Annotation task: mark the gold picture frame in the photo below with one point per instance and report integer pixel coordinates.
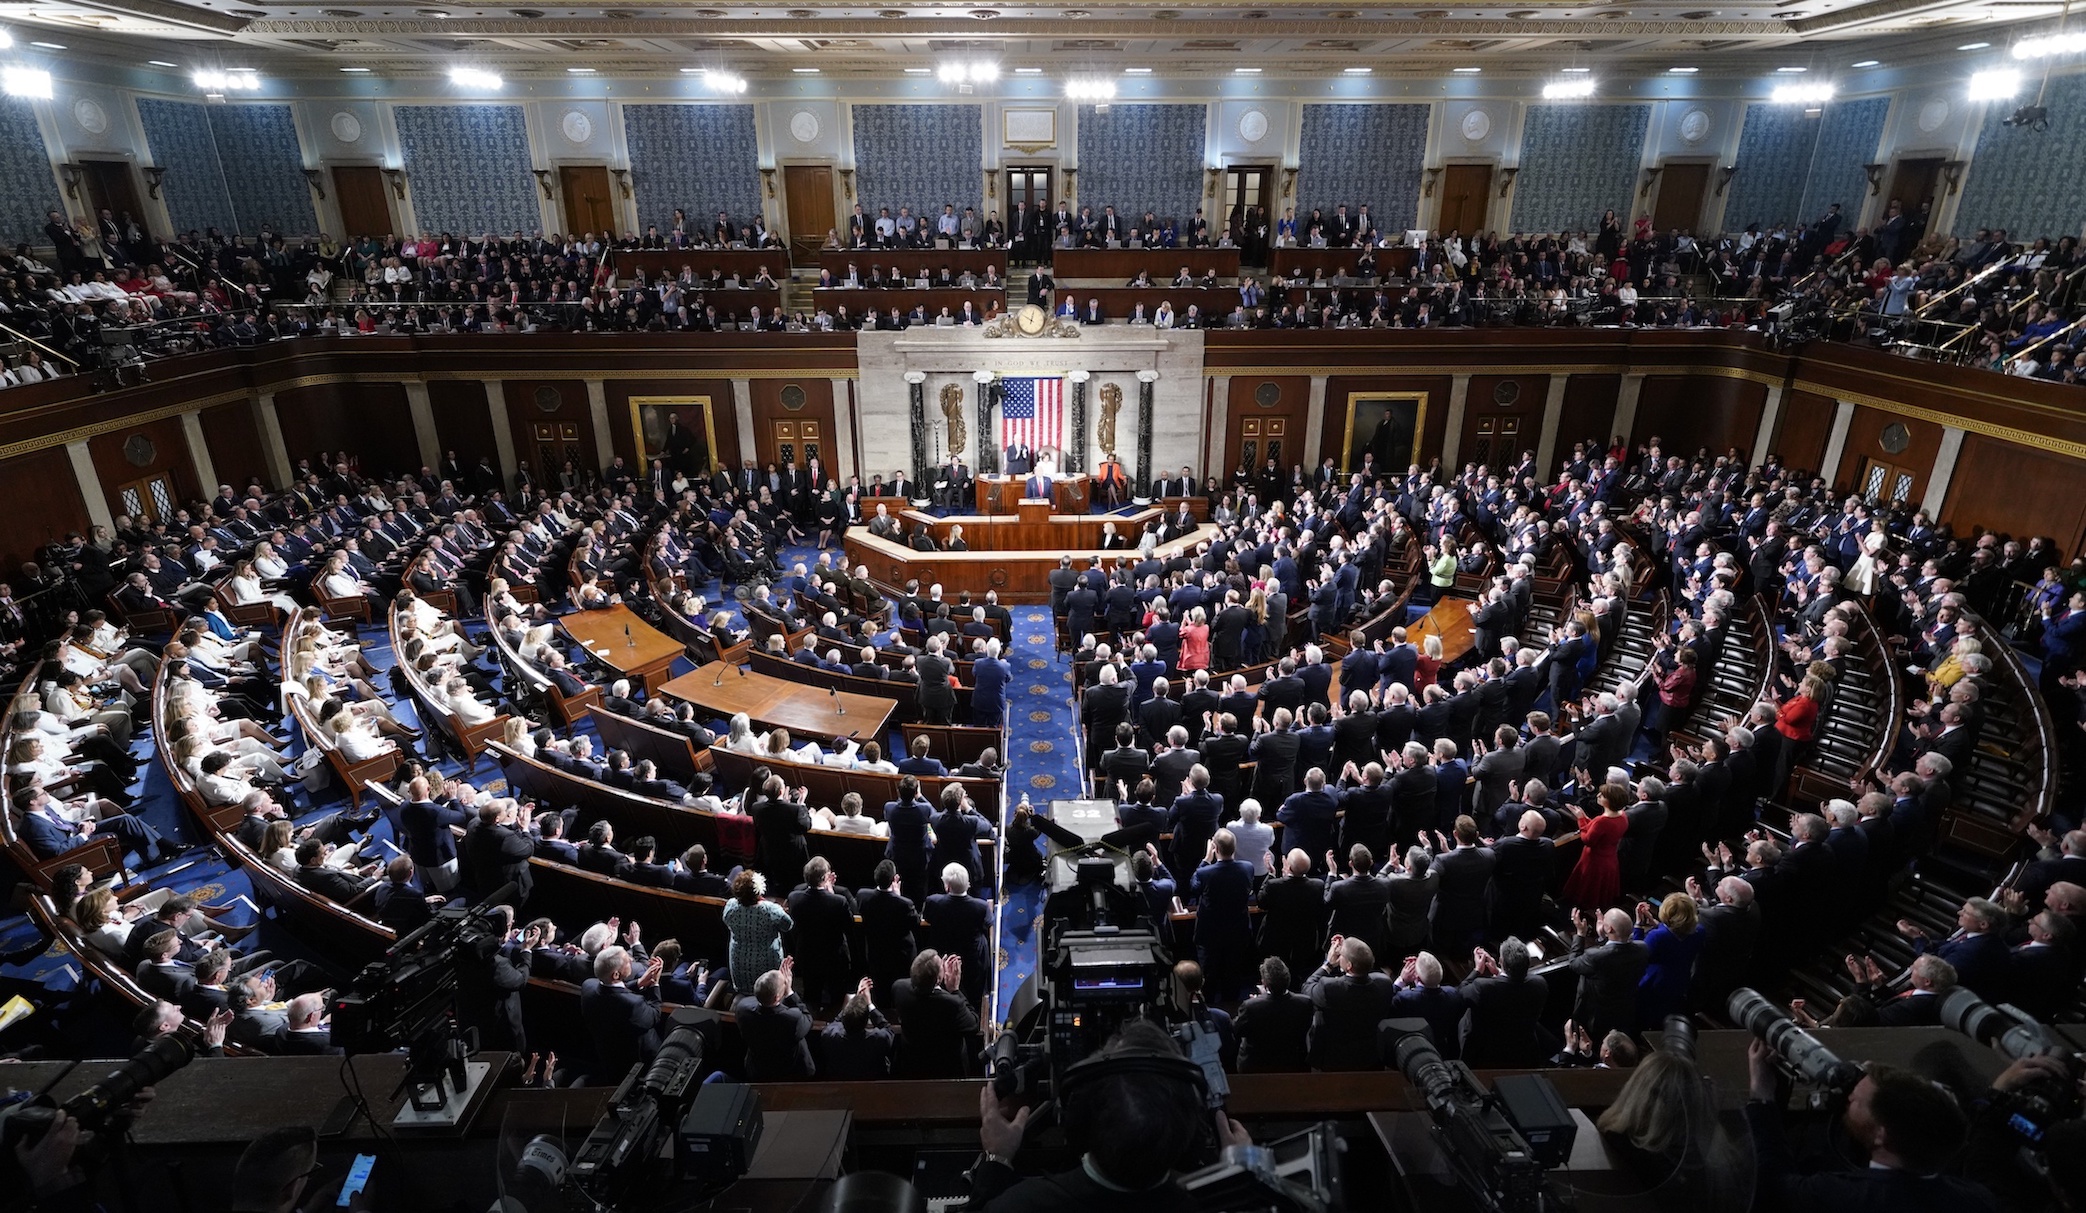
(1028, 130)
(652, 411)
(1373, 409)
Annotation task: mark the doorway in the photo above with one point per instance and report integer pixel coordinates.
(111, 186)
(807, 196)
(1030, 184)
(1246, 187)
(152, 499)
(554, 443)
(1466, 199)
(364, 209)
(1883, 483)
(588, 207)
(785, 438)
(1681, 188)
(1912, 185)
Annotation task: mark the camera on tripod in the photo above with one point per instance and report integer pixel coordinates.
(1498, 1143)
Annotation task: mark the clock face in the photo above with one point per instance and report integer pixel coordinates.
(1030, 319)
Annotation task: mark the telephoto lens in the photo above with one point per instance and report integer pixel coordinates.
(1808, 1059)
(2003, 1028)
(1679, 1036)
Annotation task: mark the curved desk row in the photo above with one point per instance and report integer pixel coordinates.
(1012, 557)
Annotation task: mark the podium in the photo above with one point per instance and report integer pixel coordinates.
(1071, 494)
(998, 494)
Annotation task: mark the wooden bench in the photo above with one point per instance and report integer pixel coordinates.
(906, 694)
(673, 753)
(828, 785)
(99, 854)
(957, 744)
(470, 739)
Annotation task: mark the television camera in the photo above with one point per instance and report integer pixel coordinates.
(1497, 1143)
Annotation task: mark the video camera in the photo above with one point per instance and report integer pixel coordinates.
(1498, 1143)
(2034, 1107)
(1802, 1055)
(26, 1123)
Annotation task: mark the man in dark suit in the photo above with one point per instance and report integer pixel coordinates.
(888, 920)
(2060, 859)
(958, 829)
(1977, 949)
(497, 852)
(909, 818)
(1521, 866)
(822, 914)
(1349, 999)
(960, 925)
(939, 1026)
(775, 1027)
(1490, 622)
(1273, 1027)
(1192, 820)
(937, 698)
(432, 829)
(780, 823)
(1465, 872)
(1608, 967)
(621, 1013)
(1293, 915)
(1310, 817)
(1356, 902)
(1505, 1004)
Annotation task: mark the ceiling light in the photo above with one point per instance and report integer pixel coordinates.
(355, 70)
(1357, 71)
(1994, 86)
(1466, 71)
(25, 82)
(1089, 89)
(1792, 70)
(148, 62)
(1028, 71)
(723, 82)
(236, 79)
(2053, 44)
(919, 71)
(1575, 71)
(7, 40)
(1245, 71)
(579, 71)
(1566, 90)
(1683, 71)
(475, 78)
(1137, 71)
(1807, 94)
(977, 72)
(1973, 46)
(805, 71)
(1869, 63)
(50, 46)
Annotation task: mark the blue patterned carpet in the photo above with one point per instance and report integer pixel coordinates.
(1042, 733)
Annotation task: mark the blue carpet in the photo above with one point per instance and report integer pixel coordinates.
(1043, 763)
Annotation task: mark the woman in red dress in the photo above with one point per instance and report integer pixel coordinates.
(1597, 880)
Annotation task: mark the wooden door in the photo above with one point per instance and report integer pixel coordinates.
(1466, 199)
(588, 207)
(551, 444)
(1913, 183)
(1681, 187)
(1247, 185)
(785, 438)
(1030, 184)
(365, 205)
(1886, 483)
(1496, 439)
(153, 499)
(807, 196)
(112, 187)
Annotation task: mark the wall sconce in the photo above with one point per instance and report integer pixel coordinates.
(1953, 171)
(847, 184)
(397, 178)
(316, 179)
(1651, 178)
(1289, 182)
(73, 175)
(1724, 175)
(543, 176)
(153, 176)
(1875, 175)
(1506, 179)
(768, 180)
(1210, 177)
(622, 176)
(1427, 187)
(992, 187)
(1071, 185)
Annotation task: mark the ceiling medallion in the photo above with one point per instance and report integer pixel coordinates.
(346, 127)
(90, 116)
(1694, 125)
(1253, 126)
(1476, 125)
(577, 127)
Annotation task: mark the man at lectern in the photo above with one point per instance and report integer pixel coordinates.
(1111, 480)
(1038, 484)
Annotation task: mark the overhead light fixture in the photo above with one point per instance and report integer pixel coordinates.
(1356, 71)
(1575, 71)
(6, 40)
(1137, 71)
(979, 71)
(1028, 71)
(1792, 71)
(723, 82)
(1806, 94)
(1683, 71)
(919, 71)
(1998, 85)
(1245, 71)
(242, 80)
(150, 62)
(2052, 44)
(1089, 89)
(355, 70)
(805, 71)
(1466, 71)
(476, 78)
(1569, 90)
(1868, 63)
(25, 82)
(50, 46)
(1973, 46)
(579, 71)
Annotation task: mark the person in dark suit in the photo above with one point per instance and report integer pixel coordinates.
(938, 1026)
(909, 818)
(1505, 1005)
(1273, 1028)
(2043, 972)
(958, 829)
(888, 922)
(1977, 949)
(621, 1013)
(1349, 999)
(1422, 996)
(1521, 866)
(1223, 887)
(960, 925)
(780, 823)
(1465, 872)
(1192, 820)
(431, 830)
(2059, 859)
(1608, 966)
(1293, 915)
(1490, 622)
(1356, 903)
(497, 851)
(400, 905)
(775, 1027)
(937, 698)
(1310, 817)
(821, 915)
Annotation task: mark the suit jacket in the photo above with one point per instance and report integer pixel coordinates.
(1356, 906)
(1273, 1032)
(623, 1026)
(938, 1028)
(1505, 1020)
(1608, 973)
(1346, 1009)
(1465, 876)
(777, 1038)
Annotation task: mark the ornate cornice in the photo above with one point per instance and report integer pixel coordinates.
(766, 26)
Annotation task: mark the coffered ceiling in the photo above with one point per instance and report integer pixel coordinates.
(1285, 38)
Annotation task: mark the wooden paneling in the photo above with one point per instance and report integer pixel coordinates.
(1122, 264)
(364, 198)
(1466, 198)
(724, 417)
(235, 446)
(1496, 433)
(370, 419)
(530, 401)
(1281, 419)
(1681, 188)
(463, 423)
(1587, 415)
(1689, 413)
(807, 192)
(34, 519)
(1804, 429)
(589, 207)
(114, 465)
(1433, 427)
(804, 427)
(2001, 486)
(1864, 442)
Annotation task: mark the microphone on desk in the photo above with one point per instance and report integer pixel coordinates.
(839, 708)
(628, 641)
(719, 680)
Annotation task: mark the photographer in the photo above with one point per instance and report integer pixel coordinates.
(1138, 1129)
(1910, 1127)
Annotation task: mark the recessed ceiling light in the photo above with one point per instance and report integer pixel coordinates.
(805, 71)
(159, 63)
(1792, 70)
(1683, 71)
(1868, 63)
(1357, 71)
(1245, 71)
(1575, 71)
(50, 46)
(355, 70)
(1466, 71)
(1028, 71)
(579, 71)
(919, 71)
(1967, 46)
(1137, 71)
(693, 71)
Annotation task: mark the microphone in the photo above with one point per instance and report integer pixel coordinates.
(719, 680)
(839, 708)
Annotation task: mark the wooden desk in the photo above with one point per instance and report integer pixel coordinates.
(860, 301)
(623, 642)
(1118, 302)
(1390, 262)
(1450, 620)
(1013, 556)
(1122, 264)
(911, 261)
(735, 301)
(998, 494)
(773, 703)
(1071, 494)
(745, 262)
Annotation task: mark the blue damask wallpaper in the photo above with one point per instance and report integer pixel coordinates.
(1139, 157)
(920, 156)
(1360, 154)
(257, 149)
(1791, 168)
(700, 158)
(179, 135)
(467, 167)
(2032, 183)
(27, 188)
(1576, 162)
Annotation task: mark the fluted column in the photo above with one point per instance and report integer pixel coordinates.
(1145, 380)
(1075, 454)
(916, 393)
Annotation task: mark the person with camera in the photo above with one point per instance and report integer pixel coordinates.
(1137, 1119)
(1910, 1127)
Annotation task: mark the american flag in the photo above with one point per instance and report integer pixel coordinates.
(1032, 412)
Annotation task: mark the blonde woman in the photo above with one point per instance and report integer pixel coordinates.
(267, 565)
(515, 736)
(244, 586)
(741, 739)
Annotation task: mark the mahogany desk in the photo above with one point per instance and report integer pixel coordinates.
(1288, 262)
(806, 711)
(1070, 493)
(1122, 264)
(1450, 620)
(745, 262)
(860, 301)
(623, 642)
(1012, 556)
(911, 261)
